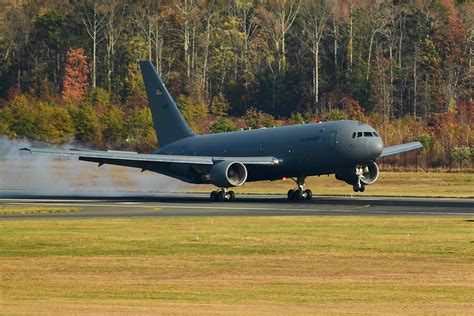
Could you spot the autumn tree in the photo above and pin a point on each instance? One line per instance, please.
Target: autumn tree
(75, 78)
(86, 124)
(222, 125)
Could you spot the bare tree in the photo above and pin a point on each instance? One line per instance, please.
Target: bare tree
(244, 13)
(185, 10)
(95, 21)
(391, 37)
(315, 18)
(377, 24)
(348, 7)
(277, 17)
(150, 21)
(336, 20)
(114, 26)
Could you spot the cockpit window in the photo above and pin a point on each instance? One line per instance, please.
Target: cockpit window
(364, 134)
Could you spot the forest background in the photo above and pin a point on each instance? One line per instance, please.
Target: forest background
(69, 69)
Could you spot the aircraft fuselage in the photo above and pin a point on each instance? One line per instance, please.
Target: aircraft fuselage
(304, 150)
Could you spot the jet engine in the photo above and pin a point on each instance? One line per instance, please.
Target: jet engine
(367, 174)
(226, 174)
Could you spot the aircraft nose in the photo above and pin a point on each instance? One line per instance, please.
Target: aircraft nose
(375, 147)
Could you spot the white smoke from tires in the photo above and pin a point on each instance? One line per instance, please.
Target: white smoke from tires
(24, 173)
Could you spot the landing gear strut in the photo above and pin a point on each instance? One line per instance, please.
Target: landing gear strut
(222, 195)
(359, 186)
(299, 193)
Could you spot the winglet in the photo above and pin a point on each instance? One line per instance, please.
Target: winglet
(398, 149)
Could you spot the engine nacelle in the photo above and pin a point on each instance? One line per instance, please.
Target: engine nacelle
(226, 174)
(368, 174)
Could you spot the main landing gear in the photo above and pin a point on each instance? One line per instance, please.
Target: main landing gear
(299, 193)
(222, 195)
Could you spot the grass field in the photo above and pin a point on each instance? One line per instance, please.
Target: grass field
(413, 184)
(20, 209)
(268, 265)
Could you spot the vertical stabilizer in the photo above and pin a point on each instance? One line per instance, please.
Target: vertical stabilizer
(170, 125)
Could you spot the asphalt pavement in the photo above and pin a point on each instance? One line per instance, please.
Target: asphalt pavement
(130, 205)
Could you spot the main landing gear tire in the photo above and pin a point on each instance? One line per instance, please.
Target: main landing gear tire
(300, 195)
(222, 196)
(290, 194)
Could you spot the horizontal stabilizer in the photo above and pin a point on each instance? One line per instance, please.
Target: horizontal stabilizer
(398, 149)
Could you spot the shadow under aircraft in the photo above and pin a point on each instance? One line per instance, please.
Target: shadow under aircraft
(348, 149)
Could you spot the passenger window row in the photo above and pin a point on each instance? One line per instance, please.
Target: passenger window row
(364, 134)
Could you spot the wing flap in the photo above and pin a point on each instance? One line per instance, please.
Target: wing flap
(398, 149)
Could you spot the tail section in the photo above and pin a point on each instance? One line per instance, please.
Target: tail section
(170, 125)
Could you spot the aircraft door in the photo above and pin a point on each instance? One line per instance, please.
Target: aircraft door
(332, 139)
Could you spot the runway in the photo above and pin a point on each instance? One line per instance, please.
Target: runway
(196, 205)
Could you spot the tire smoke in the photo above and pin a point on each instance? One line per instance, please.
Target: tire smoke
(24, 173)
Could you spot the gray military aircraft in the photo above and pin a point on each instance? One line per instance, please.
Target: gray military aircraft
(348, 149)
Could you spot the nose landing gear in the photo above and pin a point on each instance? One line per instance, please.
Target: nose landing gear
(359, 186)
(300, 193)
(222, 195)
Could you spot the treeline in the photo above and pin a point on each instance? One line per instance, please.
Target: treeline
(69, 69)
(98, 122)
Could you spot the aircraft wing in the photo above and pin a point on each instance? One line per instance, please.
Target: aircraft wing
(398, 149)
(133, 159)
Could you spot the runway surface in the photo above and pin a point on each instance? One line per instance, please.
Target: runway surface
(193, 205)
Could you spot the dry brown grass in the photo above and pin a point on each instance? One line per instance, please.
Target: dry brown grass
(276, 265)
(6, 209)
(411, 184)
(147, 307)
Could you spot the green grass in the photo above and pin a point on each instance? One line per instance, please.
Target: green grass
(332, 264)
